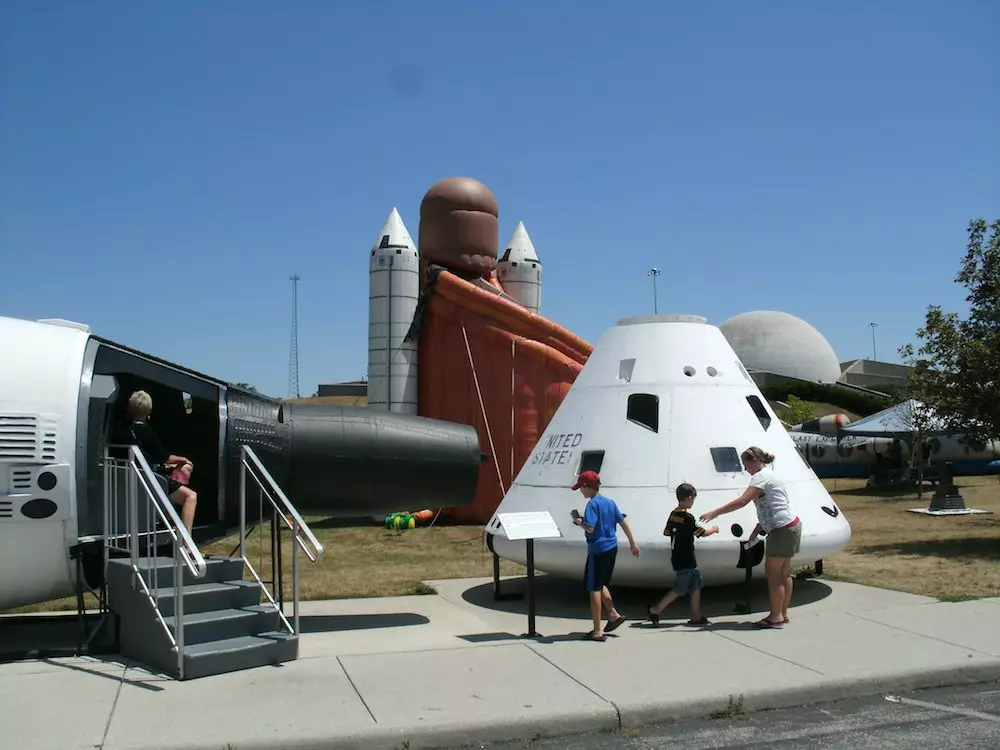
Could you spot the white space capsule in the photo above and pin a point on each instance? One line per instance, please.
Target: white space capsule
(520, 271)
(661, 401)
(394, 285)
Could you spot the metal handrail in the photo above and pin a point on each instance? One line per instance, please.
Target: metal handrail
(139, 474)
(193, 558)
(302, 535)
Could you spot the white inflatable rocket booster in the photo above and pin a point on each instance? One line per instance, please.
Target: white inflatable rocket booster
(394, 286)
(661, 401)
(520, 271)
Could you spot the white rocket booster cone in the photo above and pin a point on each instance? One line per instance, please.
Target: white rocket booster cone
(520, 271)
(394, 285)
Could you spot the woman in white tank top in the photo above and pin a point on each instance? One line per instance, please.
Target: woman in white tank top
(777, 520)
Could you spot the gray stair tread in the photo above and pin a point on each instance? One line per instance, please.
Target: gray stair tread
(222, 614)
(236, 644)
(202, 588)
(168, 562)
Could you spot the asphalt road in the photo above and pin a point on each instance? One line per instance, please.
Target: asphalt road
(960, 717)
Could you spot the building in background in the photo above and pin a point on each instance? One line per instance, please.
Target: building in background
(351, 388)
(776, 347)
(877, 376)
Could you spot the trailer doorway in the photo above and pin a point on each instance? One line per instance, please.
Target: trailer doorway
(186, 416)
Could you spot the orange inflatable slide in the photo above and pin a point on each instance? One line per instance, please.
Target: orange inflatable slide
(485, 360)
(488, 362)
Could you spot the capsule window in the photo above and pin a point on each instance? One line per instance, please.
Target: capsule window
(726, 459)
(760, 411)
(591, 461)
(644, 409)
(625, 368)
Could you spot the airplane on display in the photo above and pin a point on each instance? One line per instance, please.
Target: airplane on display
(837, 448)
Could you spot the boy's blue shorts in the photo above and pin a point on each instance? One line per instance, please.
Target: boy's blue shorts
(687, 581)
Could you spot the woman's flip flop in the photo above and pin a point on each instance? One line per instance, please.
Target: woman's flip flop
(765, 623)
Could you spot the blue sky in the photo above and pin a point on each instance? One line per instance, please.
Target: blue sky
(167, 166)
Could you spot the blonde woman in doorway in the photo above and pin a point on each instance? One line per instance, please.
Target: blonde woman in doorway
(140, 406)
(776, 519)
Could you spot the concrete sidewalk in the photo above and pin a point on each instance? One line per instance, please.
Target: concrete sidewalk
(452, 669)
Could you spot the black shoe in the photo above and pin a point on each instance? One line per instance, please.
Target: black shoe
(655, 619)
(614, 624)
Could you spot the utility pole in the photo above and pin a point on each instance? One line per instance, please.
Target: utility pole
(873, 327)
(654, 272)
(293, 353)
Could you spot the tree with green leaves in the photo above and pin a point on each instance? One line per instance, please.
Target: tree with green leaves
(798, 411)
(246, 387)
(957, 364)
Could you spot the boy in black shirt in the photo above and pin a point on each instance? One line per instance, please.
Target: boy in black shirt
(682, 528)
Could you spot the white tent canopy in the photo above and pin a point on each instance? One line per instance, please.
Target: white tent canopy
(896, 421)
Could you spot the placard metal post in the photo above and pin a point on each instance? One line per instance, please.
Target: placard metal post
(750, 556)
(498, 595)
(531, 588)
(529, 527)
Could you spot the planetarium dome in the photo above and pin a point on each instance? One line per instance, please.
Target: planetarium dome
(782, 344)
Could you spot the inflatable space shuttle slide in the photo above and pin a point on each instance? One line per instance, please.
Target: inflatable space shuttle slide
(455, 334)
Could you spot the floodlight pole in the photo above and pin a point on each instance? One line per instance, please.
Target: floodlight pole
(873, 327)
(654, 272)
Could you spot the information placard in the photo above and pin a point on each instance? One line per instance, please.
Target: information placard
(532, 525)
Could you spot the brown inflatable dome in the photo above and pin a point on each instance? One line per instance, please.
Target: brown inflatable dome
(458, 225)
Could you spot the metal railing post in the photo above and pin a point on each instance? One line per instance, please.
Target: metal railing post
(295, 572)
(243, 501)
(132, 490)
(107, 519)
(179, 613)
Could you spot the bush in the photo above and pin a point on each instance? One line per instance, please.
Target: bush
(798, 411)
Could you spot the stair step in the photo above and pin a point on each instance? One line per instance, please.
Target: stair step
(211, 596)
(244, 652)
(223, 624)
(160, 570)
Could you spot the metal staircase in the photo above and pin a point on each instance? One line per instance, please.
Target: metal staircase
(178, 611)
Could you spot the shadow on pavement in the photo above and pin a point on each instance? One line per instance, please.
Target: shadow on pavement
(562, 598)
(336, 623)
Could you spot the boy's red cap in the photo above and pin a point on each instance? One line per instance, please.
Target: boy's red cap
(587, 479)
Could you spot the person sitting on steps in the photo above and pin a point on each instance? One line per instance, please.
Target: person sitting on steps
(140, 434)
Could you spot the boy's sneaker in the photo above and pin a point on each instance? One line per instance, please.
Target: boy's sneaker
(700, 621)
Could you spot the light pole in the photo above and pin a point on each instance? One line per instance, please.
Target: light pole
(873, 327)
(654, 272)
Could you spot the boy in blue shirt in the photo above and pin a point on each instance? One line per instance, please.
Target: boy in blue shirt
(600, 521)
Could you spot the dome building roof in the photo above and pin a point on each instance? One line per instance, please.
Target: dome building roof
(782, 344)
